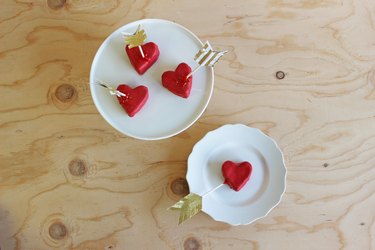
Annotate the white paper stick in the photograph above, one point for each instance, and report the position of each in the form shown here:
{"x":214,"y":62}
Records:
{"x":193,"y":71}
{"x":140,"y":49}
{"x":212,"y":190}
{"x":111,"y":90}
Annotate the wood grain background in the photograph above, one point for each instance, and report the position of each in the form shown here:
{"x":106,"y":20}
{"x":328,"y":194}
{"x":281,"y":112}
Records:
{"x":70,"y":181}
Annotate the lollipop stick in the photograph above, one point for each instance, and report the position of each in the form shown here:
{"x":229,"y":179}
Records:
{"x":140,"y":50}
{"x":193,"y":71}
{"x":213,"y":190}
{"x":112,"y":91}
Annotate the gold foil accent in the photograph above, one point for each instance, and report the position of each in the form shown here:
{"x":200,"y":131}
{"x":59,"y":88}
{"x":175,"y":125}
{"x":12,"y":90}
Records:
{"x":201,"y":51}
{"x":137,"y":38}
{"x":212,"y":58}
{"x":207,"y":56}
{"x":188,"y":206}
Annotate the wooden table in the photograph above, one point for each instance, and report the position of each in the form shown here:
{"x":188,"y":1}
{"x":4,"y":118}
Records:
{"x":68,"y":180}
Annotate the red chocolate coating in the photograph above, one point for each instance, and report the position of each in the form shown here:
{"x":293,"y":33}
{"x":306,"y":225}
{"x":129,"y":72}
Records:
{"x":176,"y":82}
{"x":236,"y":175}
{"x":134,"y":100}
{"x":140,"y":64}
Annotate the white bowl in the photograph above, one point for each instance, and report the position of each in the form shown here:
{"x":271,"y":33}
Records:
{"x":237,"y":143}
{"x":164,"y":114}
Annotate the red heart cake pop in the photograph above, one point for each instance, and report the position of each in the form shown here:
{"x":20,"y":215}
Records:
{"x":176,"y":81}
{"x":236,"y":174}
{"x":142,"y":64}
{"x":133,"y":99}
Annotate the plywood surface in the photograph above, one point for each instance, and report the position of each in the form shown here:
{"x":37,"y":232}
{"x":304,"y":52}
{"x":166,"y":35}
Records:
{"x":68,"y":180}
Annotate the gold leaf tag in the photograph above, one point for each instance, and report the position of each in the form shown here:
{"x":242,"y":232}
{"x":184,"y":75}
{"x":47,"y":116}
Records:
{"x":189,"y":206}
{"x":137,"y":38}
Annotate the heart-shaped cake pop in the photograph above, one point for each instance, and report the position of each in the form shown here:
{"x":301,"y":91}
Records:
{"x":236,"y":175}
{"x":142,"y":64}
{"x":176,"y":81}
{"x":134,"y":98}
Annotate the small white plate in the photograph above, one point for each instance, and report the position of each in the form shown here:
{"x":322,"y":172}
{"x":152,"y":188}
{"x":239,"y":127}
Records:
{"x":237,"y":143}
{"x":164,"y":114}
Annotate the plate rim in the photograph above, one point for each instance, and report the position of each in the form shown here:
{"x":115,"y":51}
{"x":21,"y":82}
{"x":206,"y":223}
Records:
{"x":189,"y":175}
{"x":103,"y":114}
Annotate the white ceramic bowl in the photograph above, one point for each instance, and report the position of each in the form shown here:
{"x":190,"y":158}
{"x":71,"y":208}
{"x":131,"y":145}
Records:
{"x":164,"y":114}
{"x":237,"y":143}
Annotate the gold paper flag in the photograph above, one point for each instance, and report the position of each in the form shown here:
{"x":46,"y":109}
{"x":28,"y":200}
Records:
{"x":207,"y":56}
{"x":188,"y":206}
{"x":137,"y":38}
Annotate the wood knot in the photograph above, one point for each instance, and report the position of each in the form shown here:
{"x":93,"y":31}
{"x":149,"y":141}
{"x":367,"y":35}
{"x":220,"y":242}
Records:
{"x":77,"y":167}
{"x":180,"y":187}
{"x":62,"y":96}
{"x":65,"y":93}
{"x":56,"y":4}
{"x":192,"y":244}
{"x":325,"y":165}
{"x":280,"y":75}
{"x":57,"y":231}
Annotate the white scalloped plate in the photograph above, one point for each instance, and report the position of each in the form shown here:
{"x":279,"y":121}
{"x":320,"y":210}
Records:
{"x":164,"y":114}
{"x":237,"y":143}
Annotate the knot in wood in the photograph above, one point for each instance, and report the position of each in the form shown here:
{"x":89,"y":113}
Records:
{"x":57,"y":231}
{"x":180,"y":187}
{"x":280,"y":75}
{"x":192,"y":244}
{"x":56,"y":4}
{"x":77,"y":167}
{"x":65,"y":93}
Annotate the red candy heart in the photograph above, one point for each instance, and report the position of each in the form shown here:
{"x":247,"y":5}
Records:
{"x":236,"y":174}
{"x":176,"y":82}
{"x":142,"y":64}
{"x":134,"y":99}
